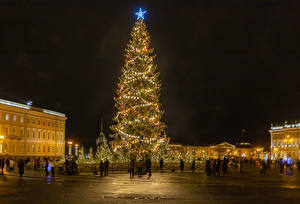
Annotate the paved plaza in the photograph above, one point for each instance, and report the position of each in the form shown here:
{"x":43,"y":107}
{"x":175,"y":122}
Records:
{"x":247,"y":187}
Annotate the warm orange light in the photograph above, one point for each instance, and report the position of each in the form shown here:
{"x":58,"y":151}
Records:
{"x":76,"y":145}
{"x":285,"y":140}
{"x":1,"y":137}
{"x":228,"y":150}
{"x":275,"y":149}
{"x":70,"y":142}
{"x":291,"y":140}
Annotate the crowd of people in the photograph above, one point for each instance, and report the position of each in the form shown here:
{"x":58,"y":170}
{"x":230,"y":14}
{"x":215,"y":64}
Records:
{"x":213,"y":167}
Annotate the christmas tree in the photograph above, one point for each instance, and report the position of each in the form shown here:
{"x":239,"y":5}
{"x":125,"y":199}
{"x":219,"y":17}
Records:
{"x":138,"y":120}
{"x":103,"y":152}
{"x":81,"y":159}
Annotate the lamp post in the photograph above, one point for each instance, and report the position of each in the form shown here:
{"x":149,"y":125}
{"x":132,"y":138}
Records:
{"x":76,"y":150}
{"x":70,"y":148}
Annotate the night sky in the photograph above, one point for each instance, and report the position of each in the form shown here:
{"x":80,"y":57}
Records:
{"x":224,"y":65}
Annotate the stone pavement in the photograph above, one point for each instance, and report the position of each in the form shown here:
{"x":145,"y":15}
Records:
{"x":247,"y":187}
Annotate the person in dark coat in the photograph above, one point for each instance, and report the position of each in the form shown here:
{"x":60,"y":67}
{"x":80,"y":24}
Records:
{"x":106,"y":165}
{"x":131,"y":167}
{"x":2,"y":164}
{"x":101,"y":167}
{"x":181,"y":165}
{"x":139,"y":167}
{"x":161,"y":164}
{"x":148,"y":166}
{"x":224,"y":166}
{"x":193,"y":166}
{"x":21,"y":167}
{"x":208,"y":167}
{"x":218,"y":166}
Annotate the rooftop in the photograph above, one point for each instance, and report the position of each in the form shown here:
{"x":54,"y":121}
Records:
{"x":285,"y":126}
{"x":24,"y":106}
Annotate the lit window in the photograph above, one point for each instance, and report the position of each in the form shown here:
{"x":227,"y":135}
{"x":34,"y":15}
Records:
{"x":53,"y":136}
{"x":43,"y":148}
{"x":44,"y":135}
{"x":6,"y":131}
{"x":14,"y":131}
{"x":21,"y":148}
{"x":28,"y":133}
{"x":32,"y":121}
{"x":33,"y":148}
{"x":33,"y":133}
{"x":27,"y":120}
{"x":13,"y":147}
{"x":21,"y":119}
{"x":53,"y":149}
{"x":39,"y":148}
{"x":48,"y":149}
{"x":39,"y":134}
{"x":48,"y":135}
{"x":39,"y":122}
{"x":14,"y":118}
{"x":27,"y":147}
{"x":6,"y":117}
{"x":44,"y":123}
{"x":48,"y":123}
{"x":21,"y":132}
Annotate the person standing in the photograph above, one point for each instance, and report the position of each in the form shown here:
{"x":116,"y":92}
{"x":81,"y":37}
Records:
{"x":148,"y":166}
{"x":208,"y":167}
{"x":53,"y":168}
{"x":224,"y":166}
{"x":11,"y":164}
{"x":193,"y":166}
{"x":21,"y":167}
{"x":2,"y":164}
{"x":101,"y":167}
{"x":181,"y":165}
{"x":161,"y":164}
{"x":131,"y":167}
{"x":139,"y":167}
{"x":218,"y":166}
{"x":106,"y":165}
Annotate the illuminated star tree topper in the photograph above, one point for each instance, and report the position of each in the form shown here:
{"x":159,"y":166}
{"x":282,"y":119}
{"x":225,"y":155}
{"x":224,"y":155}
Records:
{"x":140,"y":14}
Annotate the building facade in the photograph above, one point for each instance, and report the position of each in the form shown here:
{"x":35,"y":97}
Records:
{"x":223,"y":149}
{"x":285,"y":141}
{"x":31,"y":132}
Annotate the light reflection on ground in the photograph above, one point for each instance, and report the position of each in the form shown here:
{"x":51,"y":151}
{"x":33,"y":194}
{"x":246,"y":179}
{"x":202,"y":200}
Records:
{"x":249,"y":187}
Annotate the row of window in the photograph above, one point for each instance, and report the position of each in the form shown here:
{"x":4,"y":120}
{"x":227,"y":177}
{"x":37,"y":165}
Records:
{"x":36,"y":134}
{"x":33,"y":148}
{"x":44,"y":123}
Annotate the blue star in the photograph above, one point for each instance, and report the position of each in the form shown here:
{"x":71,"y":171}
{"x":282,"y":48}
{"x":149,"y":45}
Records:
{"x":140,"y":14}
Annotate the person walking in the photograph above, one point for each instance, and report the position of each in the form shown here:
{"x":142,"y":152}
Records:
{"x":106,"y":165}
{"x":101,"y":167}
{"x":193,"y":166}
{"x":46,"y":167}
{"x":139,"y":167}
{"x":161,"y":164}
{"x":131,"y":167}
{"x":148,"y":166}
{"x":21,"y":167}
{"x":181,"y":165}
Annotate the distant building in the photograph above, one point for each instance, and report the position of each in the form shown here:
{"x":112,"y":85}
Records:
{"x":27,"y":131}
{"x":223,"y":149}
{"x":101,"y":139}
{"x":285,"y":141}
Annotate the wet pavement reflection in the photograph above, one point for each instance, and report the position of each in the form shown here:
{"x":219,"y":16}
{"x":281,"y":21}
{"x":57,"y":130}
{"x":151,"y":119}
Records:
{"x":248,"y":187}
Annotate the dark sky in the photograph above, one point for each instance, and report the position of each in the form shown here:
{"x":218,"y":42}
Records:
{"x":225,"y":65}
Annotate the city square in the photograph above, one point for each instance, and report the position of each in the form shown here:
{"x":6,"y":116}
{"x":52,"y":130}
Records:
{"x":149,"y":101}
